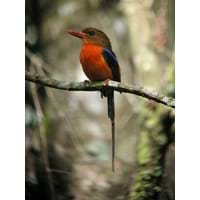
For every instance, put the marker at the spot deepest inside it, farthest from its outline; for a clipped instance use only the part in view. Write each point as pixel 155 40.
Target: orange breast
pixel 93 63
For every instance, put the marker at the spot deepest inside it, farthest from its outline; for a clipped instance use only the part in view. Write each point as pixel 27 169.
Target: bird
pixel 100 63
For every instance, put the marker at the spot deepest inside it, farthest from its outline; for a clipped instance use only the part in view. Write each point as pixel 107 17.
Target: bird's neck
pixel 90 50
pixel 101 43
pixel 90 44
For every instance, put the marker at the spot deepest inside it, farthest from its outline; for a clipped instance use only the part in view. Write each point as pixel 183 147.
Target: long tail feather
pixel 111 115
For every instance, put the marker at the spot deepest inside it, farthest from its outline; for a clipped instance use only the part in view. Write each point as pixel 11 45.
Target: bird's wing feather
pixel 112 62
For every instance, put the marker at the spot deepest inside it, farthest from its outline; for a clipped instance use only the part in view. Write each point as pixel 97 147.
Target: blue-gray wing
pixel 112 62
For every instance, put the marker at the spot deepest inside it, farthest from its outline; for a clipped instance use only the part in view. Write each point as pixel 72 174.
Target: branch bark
pixel 98 86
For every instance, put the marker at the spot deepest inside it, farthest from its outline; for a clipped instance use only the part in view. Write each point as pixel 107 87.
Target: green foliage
pixel 152 142
pixel 146 186
pixel 144 152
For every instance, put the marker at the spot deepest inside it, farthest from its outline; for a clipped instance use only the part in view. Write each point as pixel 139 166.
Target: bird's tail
pixel 111 115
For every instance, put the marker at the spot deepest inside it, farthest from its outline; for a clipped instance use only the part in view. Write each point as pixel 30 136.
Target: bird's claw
pixel 106 82
pixel 86 82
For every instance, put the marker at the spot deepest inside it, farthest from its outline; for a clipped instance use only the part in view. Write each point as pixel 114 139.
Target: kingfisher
pixel 100 63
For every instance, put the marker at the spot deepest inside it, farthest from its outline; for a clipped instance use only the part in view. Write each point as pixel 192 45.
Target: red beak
pixel 77 34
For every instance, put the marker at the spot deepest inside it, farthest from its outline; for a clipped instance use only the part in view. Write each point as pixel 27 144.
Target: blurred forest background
pixel 68 136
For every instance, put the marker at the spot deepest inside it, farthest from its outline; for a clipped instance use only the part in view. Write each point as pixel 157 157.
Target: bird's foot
pixel 106 82
pixel 104 91
pixel 86 82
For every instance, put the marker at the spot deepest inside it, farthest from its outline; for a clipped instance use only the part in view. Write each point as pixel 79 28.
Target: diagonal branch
pixel 98 86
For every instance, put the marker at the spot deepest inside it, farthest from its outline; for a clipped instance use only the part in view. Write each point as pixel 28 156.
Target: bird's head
pixel 92 36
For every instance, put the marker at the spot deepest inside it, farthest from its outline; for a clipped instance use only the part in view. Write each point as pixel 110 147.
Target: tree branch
pixel 98 86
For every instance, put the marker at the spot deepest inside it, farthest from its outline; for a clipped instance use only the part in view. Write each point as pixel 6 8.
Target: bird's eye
pixel 91 33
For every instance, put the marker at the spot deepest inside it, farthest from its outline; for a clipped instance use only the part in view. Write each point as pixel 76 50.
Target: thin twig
pixel 40 66
pixel 43 141
pixel 98 86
